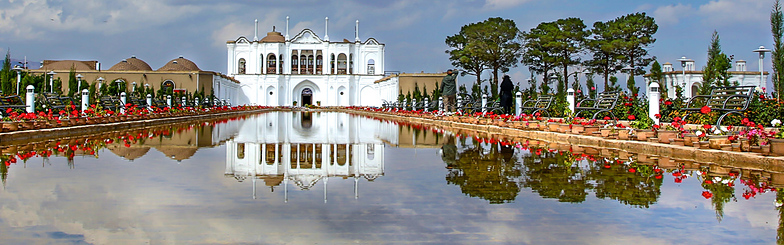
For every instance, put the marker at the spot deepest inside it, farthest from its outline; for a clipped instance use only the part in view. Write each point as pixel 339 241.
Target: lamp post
pixel 118 82
pixel 761 50
pixel 51 81
pixel 133 87
pixel 79 83
pixel 683 61
pixel 18 70
pixel 100 83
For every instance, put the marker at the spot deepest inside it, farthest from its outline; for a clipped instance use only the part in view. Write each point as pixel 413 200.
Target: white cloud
pixel 501 4
pixel 736 11
pixel 31 19
pixel 671 14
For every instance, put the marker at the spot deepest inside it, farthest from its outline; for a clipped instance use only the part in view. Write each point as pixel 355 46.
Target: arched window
pixel 241 66
pixel 294 64
pixel 695 88
pixel 319 64
pixel 332 64
pixel 271 64
pixel 310 64
pixel 351 64
pixel 371 67
pixel 168 87
pixel 342 64
pixel 241 151
pixel 281 64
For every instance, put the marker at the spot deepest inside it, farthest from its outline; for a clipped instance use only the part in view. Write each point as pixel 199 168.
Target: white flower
pixel 775 122
pixel 717 131
pixel 778 203
pixel 759 90
pixel 699 133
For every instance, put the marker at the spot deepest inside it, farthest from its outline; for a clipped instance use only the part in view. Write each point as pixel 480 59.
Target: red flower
pixel 678 180
pixel 631 170
pixel 606 118
pixel 631 117
pixel 706 126
pixel 668 102
pixel 707 194
pixel 657 116
pixel 705 110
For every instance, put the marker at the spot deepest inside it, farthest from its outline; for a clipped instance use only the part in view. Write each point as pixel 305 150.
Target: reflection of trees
pixel 555 175
pixel 780 208
pixel 637 187
pixel 722 194
pixel 486 172
pixel 3 173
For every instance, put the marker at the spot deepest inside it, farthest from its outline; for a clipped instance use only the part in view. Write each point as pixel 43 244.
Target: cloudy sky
pixel 414 31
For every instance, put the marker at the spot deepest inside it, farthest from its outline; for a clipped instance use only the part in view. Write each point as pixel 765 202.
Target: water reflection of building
pixel 179 144
pixel 304 148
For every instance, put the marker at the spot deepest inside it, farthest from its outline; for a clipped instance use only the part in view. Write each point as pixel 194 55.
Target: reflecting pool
pixel 296 177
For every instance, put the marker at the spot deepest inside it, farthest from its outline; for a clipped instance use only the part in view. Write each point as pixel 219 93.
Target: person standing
pixel 506 94
pixel 449 90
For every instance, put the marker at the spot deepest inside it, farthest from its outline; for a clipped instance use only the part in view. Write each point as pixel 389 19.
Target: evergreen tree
pixel 777 29
pixel 6 74
pixel 591 86
pixel 657 76
pixel 715 72
pixel 417 94
pixel 613 85
pixel 72 82
pixel 57 88
pixel 401 97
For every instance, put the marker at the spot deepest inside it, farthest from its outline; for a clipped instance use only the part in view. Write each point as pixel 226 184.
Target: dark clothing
pixel 448 85
pixel 506 95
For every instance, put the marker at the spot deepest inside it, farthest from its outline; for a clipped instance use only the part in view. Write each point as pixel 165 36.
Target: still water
pixel 330 178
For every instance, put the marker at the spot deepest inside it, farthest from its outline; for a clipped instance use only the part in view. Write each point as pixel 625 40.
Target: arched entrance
pixel 307 97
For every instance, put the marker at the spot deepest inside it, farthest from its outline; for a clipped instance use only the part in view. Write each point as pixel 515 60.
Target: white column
pixel 653 103
pixel 570 99
pixel 30 99
pixel 484 103
pixel 85 99
pixel 326 29
pixel 123 100
pixel 519 103
pixel 441 104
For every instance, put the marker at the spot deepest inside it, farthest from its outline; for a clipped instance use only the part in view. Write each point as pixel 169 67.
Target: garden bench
pixel 540 105
pixel 604 103
pixel 56 102
pixel 11 102
pixel 468 104
pixel 159 103
pixel 726 100
pixel 110 103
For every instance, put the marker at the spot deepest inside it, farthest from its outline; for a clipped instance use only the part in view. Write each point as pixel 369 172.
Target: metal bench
pixel 539 105
pixel 604 103
pixel 13 102
pixel 110 103
pixel 727 100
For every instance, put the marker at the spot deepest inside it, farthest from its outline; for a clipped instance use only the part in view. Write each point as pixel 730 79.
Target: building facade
pixel 690 79
pixel 178 74
pixel 304 148
pixel 306 69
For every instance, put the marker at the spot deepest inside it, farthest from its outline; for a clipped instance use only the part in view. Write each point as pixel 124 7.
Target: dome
pixel 177 153
pixel 273 37
pixel 143 66
pixel 68 64
pixel 180 64
pixel 129 153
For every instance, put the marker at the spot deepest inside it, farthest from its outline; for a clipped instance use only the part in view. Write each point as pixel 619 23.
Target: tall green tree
pixel 462 57
pixel 72 82
pixel 715 73
pixel 590 86
pixel 6 74
pixel 777 29
pixel 656 75
pixel 568 43
pixel 495 41
pixel 635 34
pixel 604 50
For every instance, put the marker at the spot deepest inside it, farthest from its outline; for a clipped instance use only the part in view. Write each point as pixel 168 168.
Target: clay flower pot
pixel 577 128
pixel 776 146
pixel 643 135
pixel 665 136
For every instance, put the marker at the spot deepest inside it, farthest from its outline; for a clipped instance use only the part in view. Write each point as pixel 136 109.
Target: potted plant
pixel 642 128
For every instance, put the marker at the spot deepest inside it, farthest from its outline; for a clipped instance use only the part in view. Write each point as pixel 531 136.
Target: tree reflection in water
pixel 555 175
pixel 484 170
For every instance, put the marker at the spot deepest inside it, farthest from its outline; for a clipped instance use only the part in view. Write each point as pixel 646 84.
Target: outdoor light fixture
pixel 761 50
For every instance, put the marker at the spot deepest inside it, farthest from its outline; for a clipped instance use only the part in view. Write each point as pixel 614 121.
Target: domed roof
pixel 139 63
pixel 67 64
pixel 131 64
pixel 129 153
pixel 177 153
pixel 273 37
pixel 180 64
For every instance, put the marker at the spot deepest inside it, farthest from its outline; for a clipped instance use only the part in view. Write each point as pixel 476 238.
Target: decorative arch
pixel 272 96
pixel 272 64
pixel 241 66
pixel 371 67
pixel 298 93
pixel 695 87
pixel 342 64
pixel 368 96
pixel 342 96
pixel 261 63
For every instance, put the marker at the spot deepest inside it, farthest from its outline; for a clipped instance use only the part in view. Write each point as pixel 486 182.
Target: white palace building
pixel 307 69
